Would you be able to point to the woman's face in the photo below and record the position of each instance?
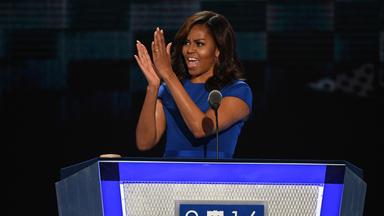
(200, 53)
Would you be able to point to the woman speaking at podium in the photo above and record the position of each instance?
(180, 77)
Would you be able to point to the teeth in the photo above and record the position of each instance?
(192, 59)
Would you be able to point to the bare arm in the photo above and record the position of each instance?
(151, 124)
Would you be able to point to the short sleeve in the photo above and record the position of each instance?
(162, 91)
(239, 89)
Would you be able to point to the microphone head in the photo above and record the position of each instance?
(214, 99)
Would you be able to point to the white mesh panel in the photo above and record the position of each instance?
(148, 199)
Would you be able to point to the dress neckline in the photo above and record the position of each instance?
(189, 81)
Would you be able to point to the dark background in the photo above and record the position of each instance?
(70, 89)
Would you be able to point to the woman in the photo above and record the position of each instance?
(203, 58)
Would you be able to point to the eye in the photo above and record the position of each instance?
(199, 44)
(187, 42)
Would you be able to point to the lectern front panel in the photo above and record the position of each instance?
(156, 188)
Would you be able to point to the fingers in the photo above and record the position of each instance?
(138, 60)
(160, 36)
(139, 50)
(159, 42)
(155, 44)
(140, 63)
(145, 55)
(143, 59)
(140, 56)
(154, 49)
(169, 45)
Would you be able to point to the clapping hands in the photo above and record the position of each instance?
(161, 67)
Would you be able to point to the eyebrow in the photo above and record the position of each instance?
(197, 40)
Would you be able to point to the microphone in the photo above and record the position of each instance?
(214, 99)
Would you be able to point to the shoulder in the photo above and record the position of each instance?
(238, 86)
(239, 89)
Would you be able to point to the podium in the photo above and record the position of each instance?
(146, 187)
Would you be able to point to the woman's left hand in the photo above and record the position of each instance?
(161, 54)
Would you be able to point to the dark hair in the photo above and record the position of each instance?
(228, 69)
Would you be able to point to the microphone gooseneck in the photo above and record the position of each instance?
(214, 99)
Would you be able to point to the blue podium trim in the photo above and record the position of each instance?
(331, 204)
(112, 205)
(241, 173)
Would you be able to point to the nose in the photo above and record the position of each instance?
(191, 48)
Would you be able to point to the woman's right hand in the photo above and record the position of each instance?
(145, 63)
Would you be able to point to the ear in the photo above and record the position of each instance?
(217, 53)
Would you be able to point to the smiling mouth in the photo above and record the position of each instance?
(192, 62)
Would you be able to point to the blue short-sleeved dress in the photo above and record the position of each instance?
(180, 142)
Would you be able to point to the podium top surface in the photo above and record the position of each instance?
(69, 170)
